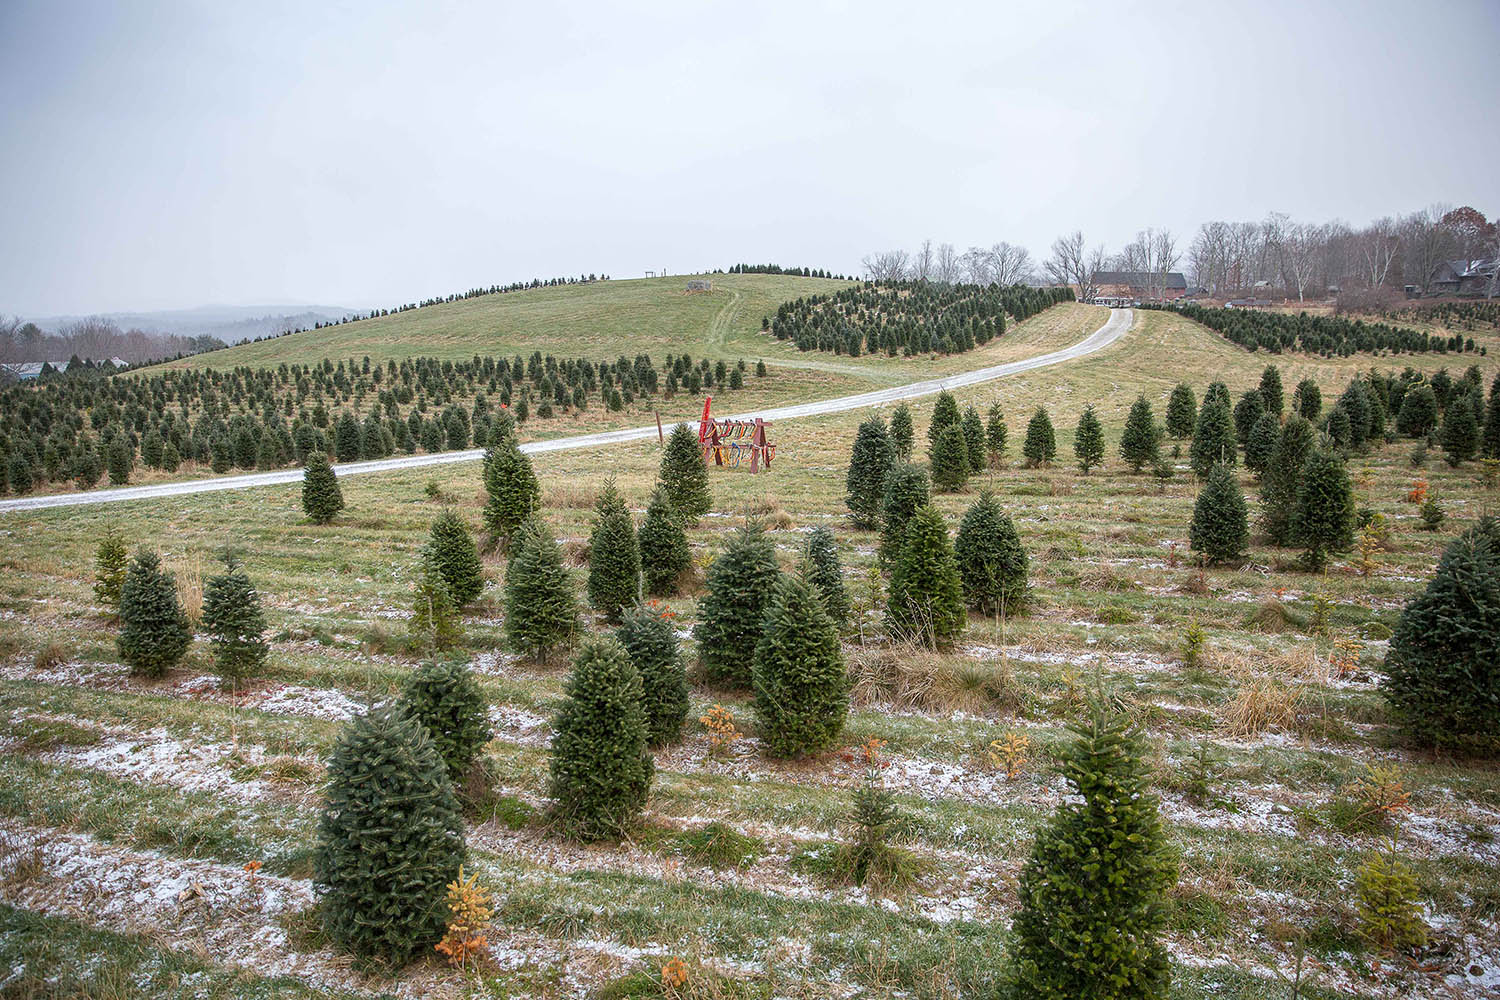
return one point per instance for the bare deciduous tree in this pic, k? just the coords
(1072, 263)
(888, 265)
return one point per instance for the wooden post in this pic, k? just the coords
(660, 438)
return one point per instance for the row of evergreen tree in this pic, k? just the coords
(907, 317)
(1329, 336)
(796, 272)
(1468, 314)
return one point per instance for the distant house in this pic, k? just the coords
(31, 369)
(1463, 277)
(1125, 287)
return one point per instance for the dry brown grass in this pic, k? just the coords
(54, 654)
(1260, 705)
(909, 677)
(189, 574)
(569, 495)
(575, 551)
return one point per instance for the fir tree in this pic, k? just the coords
(665, 555)
(651, 642)
(685, 476)
(389, 840)
(121, 459)
(869, 462)
(1246, 412)
(991, 561)
(1278, 494)
(434, 618)
(739, 586)
(1307, 400)
(1460, 433)
(1182, 410)
(1323, 519)
(950, 460)
(321, 496)
(1270, 390)
(151, 448)
(170, 459)
(233, 618)
(457, 558)
(974, 438)
(154, 631)
(826, 575)
(541, 612)
(1041, 442)
(906, 489)
(19, 474)
(110, 561)
(1088, 440)
(1492, 422)
(801, 686)
(926, 601)
(1220, 531)
(1093, 893)
(1261, 445)
(1138, 444)
(902, 434)
(1339, 427)
(513, 493)
(995, 434)
(1443, 668)
(1213, 437)
(444, 697)
(614, 556)
(944, 415)
(1419, 412)
(601, 767)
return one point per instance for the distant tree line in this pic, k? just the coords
(81, 424)
(800, 272)
(95, 339)
(907, 317)
(1276, 332)
(1465, 314)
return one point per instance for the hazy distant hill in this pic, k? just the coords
(230, 324)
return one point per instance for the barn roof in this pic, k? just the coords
(1173, 279)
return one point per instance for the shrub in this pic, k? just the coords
(434, 618)
(110, 560)
(321, 496)
(1093, 893)
(1040, 446)
(1443, 667)
(801, 688)
(1431, 512)
(233, 618)
(614, 556)
(457, 558)
(541, 612)
(1323, 519)
(926, 595)
(1220, 531)
(740, 583)
(906, 489)
(826, 575)
(601, 767)
(443, 696)
(974, 438)
(389, 839)
(1088, 440)
(902, 433)
(950, 460)
(1138, 444)
(648, 638)
(1387, 903)
(685, 476)
(991, 561)
(513, 493)
(868, 464)
(154, 631)
(663, 544)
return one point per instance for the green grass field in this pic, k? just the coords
(128, 809)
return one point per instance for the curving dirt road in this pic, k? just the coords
(1119, 321)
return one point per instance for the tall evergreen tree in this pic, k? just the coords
(1307, 400)
(321, 496)
(1040, 446)
(685, 476)
(1138, 444)
(651, 642)
(1088, 440)
(739, 586)
(513, 493)
(991, 561)
(1093, 894)
(902, 434)
(801, 685)
(944, 415)
(826, 575)
(434, 618)
(121, 460)
(906, 489)
(1182, 410)
(1443, 668)
(1246, 412)
(995, 434)
(1261, 445)
(950, 460)
(614, 556)
(868, 464)
(665, 554)
(1270, 389)
(1323, 519)
(233, 618)
(154, 631)
(541, 611)
(926, 601)
(389, 841)
(457, 558)
(346, 442)
(1278, 493)
(1460, 434)
(1419, 412)
(444, 697)
(1213, 437)
(1220, 531)
(974, 438)
(1492, 422)
(601, 767)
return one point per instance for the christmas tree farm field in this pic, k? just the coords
(158, 836)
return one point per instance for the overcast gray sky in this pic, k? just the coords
(172, 154)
